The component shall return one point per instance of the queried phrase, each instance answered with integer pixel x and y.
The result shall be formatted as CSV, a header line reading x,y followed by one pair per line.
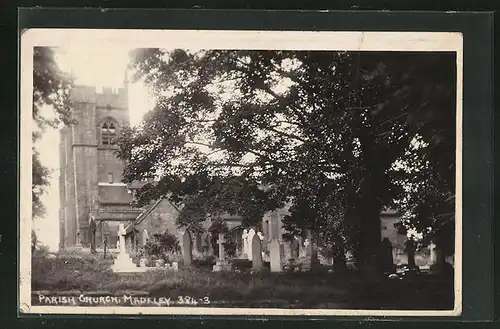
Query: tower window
x,y
108,133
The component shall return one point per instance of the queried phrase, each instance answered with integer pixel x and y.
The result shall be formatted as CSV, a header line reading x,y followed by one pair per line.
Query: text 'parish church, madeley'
x,y
90,184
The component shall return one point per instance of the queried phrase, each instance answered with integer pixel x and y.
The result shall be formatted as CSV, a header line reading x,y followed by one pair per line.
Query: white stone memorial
x,y
244,238
251,234
123,263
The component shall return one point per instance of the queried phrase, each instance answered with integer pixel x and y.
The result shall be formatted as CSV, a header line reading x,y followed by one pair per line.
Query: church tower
x,y
90,181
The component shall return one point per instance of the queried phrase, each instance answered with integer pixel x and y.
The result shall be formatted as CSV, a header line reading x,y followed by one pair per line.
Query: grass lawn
x,y
72,273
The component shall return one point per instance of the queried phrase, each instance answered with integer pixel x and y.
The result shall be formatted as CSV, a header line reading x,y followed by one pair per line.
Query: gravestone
x,y
311,251
387,259
175,266
438,260
221,264
275,255
187,252
410,251
433,254
244,237
295,248
123,263
257,253
251,234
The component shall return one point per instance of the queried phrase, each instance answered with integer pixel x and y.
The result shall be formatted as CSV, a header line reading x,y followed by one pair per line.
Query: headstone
x,y
187,252
143,262
257,253
438,260
410,251
175,266
221,263
311,251
244,237
275,255
160,263
433,254
295,248
251,234
387,259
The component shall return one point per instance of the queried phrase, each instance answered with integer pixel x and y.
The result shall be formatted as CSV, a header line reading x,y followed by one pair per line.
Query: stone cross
x,y
221,242
121,233
433,254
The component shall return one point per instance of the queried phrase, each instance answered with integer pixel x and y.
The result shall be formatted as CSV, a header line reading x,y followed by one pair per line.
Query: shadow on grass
x,y
90,273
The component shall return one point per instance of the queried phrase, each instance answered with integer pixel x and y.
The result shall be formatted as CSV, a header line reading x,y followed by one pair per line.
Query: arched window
x,y
108,133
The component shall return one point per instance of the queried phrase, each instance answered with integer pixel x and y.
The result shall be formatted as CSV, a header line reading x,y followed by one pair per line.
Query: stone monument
x,y
221,264
257,263
187,251
123,262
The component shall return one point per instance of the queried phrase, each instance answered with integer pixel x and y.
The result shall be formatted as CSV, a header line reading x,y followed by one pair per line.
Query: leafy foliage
x,y
217,226
245,132
161,245
50,91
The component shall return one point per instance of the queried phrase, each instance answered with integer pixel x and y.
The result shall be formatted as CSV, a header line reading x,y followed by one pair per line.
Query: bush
x,y
162,244
204,261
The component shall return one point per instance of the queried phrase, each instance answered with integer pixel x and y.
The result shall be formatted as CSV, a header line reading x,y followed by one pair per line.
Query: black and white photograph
x,y
241,172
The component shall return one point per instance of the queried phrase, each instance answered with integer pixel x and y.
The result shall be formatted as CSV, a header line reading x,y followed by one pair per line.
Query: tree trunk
x,y
369,235
339,259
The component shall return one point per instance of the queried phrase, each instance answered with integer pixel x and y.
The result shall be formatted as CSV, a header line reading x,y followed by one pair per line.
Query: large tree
x,y
50,108
248,131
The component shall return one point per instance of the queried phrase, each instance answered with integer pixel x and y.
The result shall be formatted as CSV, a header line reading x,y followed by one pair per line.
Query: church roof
x,y
143,215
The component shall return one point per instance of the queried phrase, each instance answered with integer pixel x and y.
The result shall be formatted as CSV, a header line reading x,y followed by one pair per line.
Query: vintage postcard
x,y
240,173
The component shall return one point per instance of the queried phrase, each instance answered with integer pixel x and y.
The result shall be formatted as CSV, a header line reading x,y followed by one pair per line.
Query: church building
x,y
90,177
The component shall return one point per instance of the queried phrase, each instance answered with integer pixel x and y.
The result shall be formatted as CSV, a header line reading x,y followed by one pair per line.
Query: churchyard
x,y
114,277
